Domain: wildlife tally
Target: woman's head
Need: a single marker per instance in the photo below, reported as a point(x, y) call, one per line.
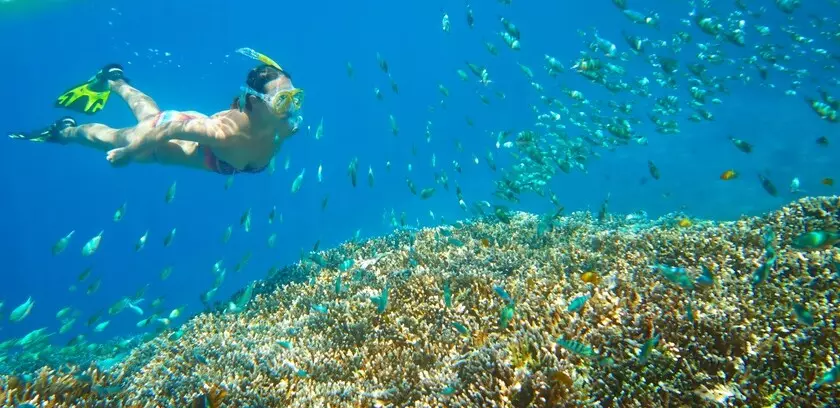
point(266, 82)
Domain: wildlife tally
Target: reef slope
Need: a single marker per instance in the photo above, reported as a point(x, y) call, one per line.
point(324, 342)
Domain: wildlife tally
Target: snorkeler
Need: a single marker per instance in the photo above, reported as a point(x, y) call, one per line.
point(242, 139)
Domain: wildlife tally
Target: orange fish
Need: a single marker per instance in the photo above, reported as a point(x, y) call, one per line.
point(828, 181)
point(728, 175)
point(684, 223)
point(485, 242)
point(590, 277)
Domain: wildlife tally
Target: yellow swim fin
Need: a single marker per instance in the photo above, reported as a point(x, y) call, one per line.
point(91, 96)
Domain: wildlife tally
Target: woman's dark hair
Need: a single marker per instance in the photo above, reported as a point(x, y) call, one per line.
point(257, 80)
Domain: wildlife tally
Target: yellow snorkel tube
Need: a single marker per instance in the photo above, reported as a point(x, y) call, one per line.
point(250, 53)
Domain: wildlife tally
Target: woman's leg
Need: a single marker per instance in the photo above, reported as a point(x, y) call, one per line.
point(95, 135)
point(143, 106)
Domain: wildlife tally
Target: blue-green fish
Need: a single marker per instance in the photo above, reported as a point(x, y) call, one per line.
point(506, 315)
point(676, 275)
point(830, 377)
point(23, 310)
point(141, 243)
point(455, 242)
point(803, 315)
point(338, 286)
point(320, 309)
point(298, 181)
point(226, 235)
point(647, 348)
point(92, 245)
point(198, 356)
point(689, 312)
point(381, 301)
point(61, 245)
point(576, 347)
point(461, 328)
point(578, 303)
point(761, 273)
point(120, 213)
point(346, 264)
point(706, 278)
point(245, 220)
point(447, 294)
point(170, 194)
point(502, 293)
point(285, 344)
point(816, 240)
point(169, 237)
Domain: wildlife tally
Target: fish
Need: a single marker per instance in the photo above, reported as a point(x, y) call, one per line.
point(120, 213)
point(590, 277)
point(22, 311)
point(794, 186)
point(676, 275)
point(463, 330)
point(741, 145)
point(167, 240)
point(62, 243)
point(93, 287)
point(803, 315)
point(101, 326)
point(506, 315)
point(164, 274)
point(226, 235)
point(447, 294)
point(816, 240)
point(706, 278)
point(141, 242)
point(654, 171)
point(352, 170)
point(768, 186)
point(319, 132)
point(170, 193)
point(647, 348)
point(245, 220)
point(92, 245)
point(298, 181)
point(502, 294)
point(381, 301)
point(577, 303)
point(829, 377)
point(728, 175)
point(346, 264)
point(762, 272)
point(576, 347)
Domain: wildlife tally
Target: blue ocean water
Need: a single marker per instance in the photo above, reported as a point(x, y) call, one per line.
point(182, 54)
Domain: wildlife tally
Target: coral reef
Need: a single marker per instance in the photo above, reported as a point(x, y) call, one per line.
point(421, 319)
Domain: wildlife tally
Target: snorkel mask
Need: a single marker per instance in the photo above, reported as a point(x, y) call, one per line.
point(284, 102)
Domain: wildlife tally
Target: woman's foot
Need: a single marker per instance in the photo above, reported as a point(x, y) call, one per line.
point(51, 134)
point(119, 157)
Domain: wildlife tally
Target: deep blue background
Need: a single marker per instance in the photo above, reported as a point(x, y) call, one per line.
point(50, 190)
